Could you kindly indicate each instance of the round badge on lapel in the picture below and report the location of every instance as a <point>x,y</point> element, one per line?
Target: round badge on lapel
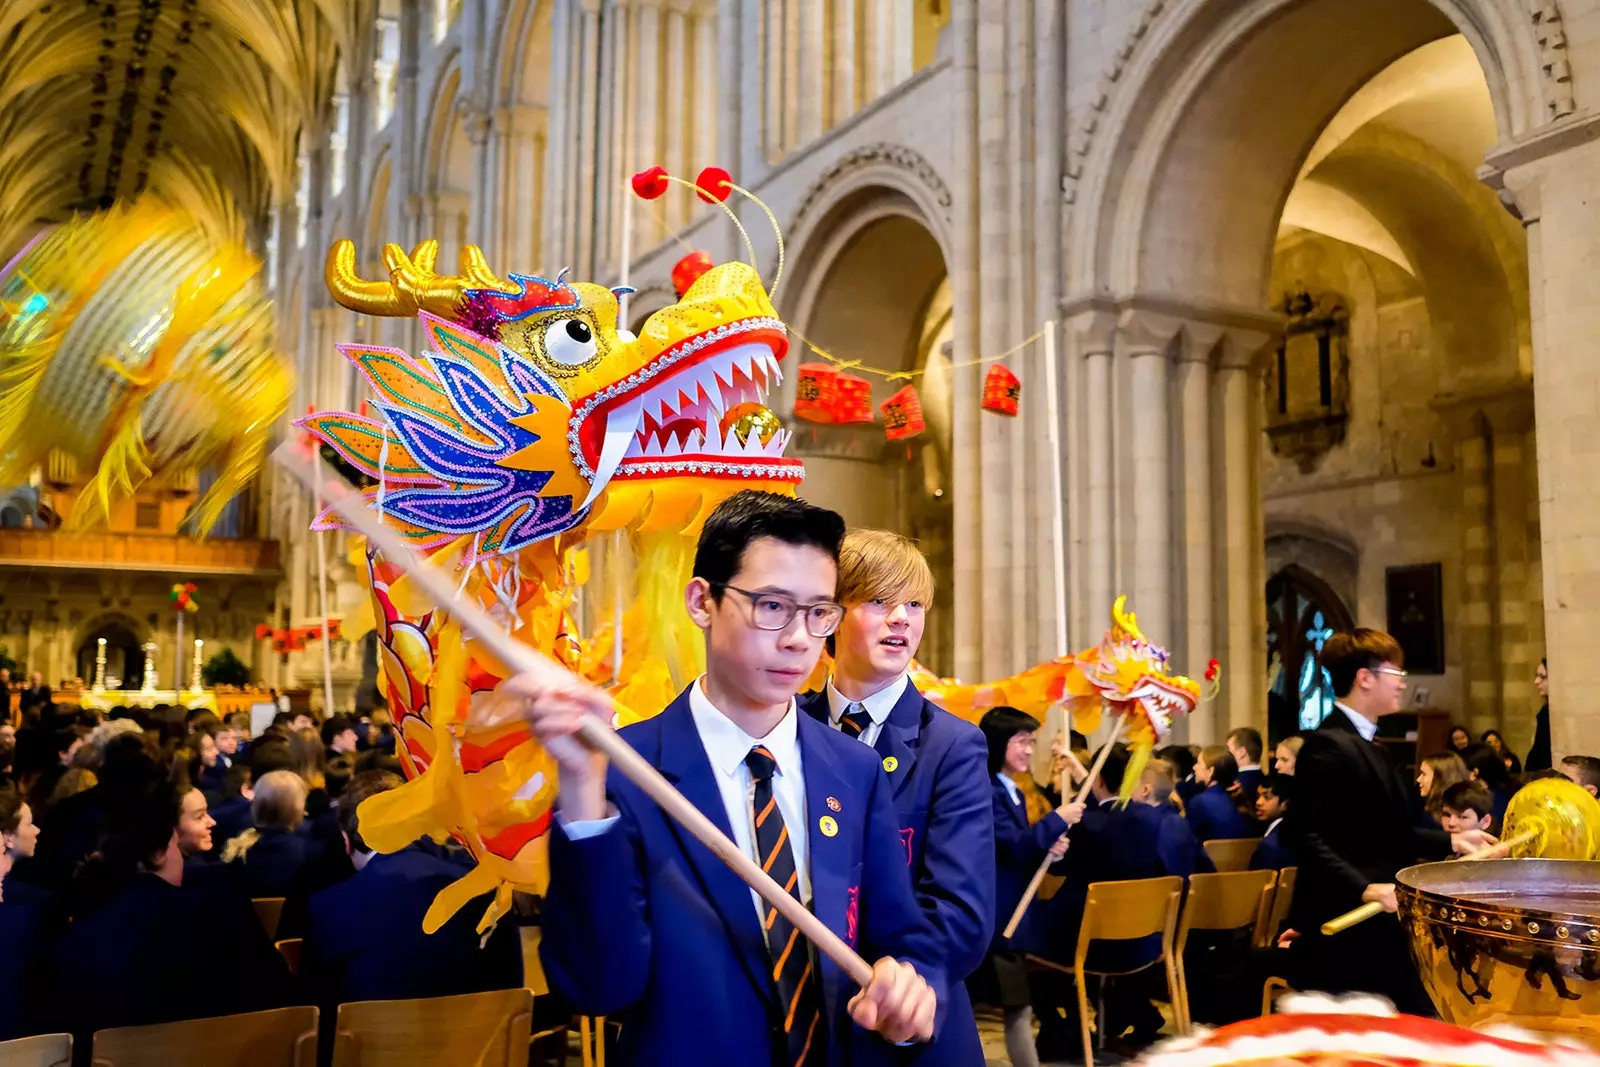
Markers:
<point>828,827</point>
<point>834,805</point>
<point>891,764</point>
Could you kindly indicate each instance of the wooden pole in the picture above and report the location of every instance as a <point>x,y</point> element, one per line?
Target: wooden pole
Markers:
<point>1373,909</point>
<point>1083,794</point>
<point>595,734</point>
<point>322,607</point>
<point>1058,525</point>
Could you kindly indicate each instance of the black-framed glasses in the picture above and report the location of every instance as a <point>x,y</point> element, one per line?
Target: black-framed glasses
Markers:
<point>774,611</point>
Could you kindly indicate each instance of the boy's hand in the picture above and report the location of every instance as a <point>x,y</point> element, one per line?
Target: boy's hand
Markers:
<point>555,702</point>
<point>897,1003</point>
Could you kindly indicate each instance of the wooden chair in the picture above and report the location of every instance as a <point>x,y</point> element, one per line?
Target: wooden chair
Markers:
<point>290,949</point>
<point>46,1050</point>
<point>1282,897</point>
<point>269,910</point>
<point>1232,853</point>
<point>1270,991</point>
<point>1230,900</point>
<point>475,1030</point>
<point>1118,911</point>
<point>284,1037</point>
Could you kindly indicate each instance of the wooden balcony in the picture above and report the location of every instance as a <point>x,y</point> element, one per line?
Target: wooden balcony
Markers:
<point>138,552</point>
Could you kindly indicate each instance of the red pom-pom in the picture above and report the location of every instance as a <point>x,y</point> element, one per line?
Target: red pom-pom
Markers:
<point>650,184</point>
<point>1213,668</point>
<point>714,185</point>
<point>687,271</point>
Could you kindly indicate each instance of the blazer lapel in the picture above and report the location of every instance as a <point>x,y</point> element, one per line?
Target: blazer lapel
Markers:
<point>900,736</point>
<point>830,857</point>
<point>684,763</point>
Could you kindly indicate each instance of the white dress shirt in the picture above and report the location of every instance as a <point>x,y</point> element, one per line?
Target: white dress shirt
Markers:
<point>1364,726</point>
<point>1012,789</point>
<point>726,747</point>
<point>1273,826</point>
<point>878,706</point>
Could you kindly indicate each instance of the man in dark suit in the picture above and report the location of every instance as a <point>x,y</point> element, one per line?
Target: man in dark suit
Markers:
<point>644,921</point>
<point>1244,745</point>
<point>934,760</point>
<point>1351,827</point>
<point>35,698</point>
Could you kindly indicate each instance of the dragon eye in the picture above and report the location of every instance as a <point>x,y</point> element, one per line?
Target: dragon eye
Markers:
<point>569,341</point>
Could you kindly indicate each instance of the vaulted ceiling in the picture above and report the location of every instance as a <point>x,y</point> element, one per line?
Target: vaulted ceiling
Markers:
<point>198,102</point>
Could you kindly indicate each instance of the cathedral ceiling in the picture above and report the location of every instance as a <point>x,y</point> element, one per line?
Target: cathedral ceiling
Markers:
<point>199,102</point>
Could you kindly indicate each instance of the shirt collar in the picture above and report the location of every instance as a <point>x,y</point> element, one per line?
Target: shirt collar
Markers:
<point>878,705</point>
<point>1013,790</point>
<point>727,745</point>
<point>1364,726</point>
<point>1274,825</point>
<point>1249,766</point>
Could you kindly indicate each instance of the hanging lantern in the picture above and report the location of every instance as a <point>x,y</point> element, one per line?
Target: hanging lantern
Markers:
<point>816,392</point>
<point>902,415</point>
<point>687,271</point>
<point>1001,390</point>
<point>852,400</point>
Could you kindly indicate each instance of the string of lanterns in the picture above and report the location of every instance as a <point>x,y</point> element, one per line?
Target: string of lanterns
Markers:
<point>295,638</point>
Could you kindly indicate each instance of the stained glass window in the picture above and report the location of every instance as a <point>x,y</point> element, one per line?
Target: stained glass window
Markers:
<point>1302,613</point>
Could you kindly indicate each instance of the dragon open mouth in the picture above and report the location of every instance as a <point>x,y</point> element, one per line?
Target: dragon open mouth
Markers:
<point>676,415</point>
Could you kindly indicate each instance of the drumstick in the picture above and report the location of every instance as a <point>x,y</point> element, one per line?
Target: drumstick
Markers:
<point>1367,911</point>
<point>1083,793</point>
<point>523,659</point>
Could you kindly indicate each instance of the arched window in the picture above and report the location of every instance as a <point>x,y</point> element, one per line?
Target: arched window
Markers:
<point>1302,613</point>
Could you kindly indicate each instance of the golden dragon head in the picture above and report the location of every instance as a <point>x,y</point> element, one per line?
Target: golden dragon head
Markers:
<point>530,415</point>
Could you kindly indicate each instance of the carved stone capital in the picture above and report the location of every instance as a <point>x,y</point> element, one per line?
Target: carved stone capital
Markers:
<point>1141,332</point>
<point>1093,330</point>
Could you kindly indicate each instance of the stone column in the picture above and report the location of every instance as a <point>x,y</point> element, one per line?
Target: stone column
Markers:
<point>483,207</point>
<point>967,503</point>
<point>877,75</point>
<point>564,34</point>
<point>646,111</point>
<point>674,99</point>
<point>1240,613</point>
<point>707,79</point>
<point>842,52</point>
<point>1555,196</point>
<point>1196,592</point>
<point>1141,428</point>
<point>609,114</point>
<point>1521,633</point>
<point>1096,542</point>
<point>811,86</point>
<point>773,143</point>
<point>1480,661</point>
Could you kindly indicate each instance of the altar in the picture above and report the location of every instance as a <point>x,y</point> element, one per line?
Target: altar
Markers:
<point>107,699</point>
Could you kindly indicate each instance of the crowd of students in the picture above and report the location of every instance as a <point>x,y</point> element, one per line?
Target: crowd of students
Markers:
<point>133,847</point>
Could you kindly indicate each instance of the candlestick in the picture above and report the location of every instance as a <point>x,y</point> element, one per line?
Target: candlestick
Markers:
<point>100,667</point>
<point>194,670</point>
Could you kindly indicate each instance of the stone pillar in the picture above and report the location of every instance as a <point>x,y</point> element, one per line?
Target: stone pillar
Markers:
<point>773,143</point>
<point>967,503</point>
<point>877,75</point>
<point>564,35</point>
<point>674,98</point>
<point>1554,194</point>
<point>812,90</point>
<point>608,112</point>
<point>1480,660</point>
<point>1141,428</point>
<point>1193,525</point>
<point>706,79</point>
<point>842,53</point>
<point>646,111</point>
<point>1096,546</point>
<point>1521,633</point>
<point>1240,614</point>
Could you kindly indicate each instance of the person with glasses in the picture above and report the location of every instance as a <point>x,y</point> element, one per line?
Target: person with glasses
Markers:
<point>643,921</point>
<point>1353,826</point>
<point>936,762</point>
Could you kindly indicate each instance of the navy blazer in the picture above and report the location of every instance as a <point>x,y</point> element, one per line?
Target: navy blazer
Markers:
<point>1018,851</point>
<point>644,922</point>
<point>1272,854</point>
<point>1249,785</point>
<point>273,863</point>
<point>1212,816</point>
<point>364,939</point>
<point>1179,851</point>
<point>26,923</point>
<point>942,800</point>
<point>1110,844</point>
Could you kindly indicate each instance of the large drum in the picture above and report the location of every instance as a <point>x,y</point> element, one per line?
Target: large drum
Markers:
<point>1508,941</point>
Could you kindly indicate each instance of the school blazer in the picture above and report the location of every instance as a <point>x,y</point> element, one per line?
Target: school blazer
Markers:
<point>938,767</point>
<point>644,923</point>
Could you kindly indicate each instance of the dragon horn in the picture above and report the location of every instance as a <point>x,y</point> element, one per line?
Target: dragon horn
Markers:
<point>475,269</point>
<point>357,294</point>
<point>414,277</point>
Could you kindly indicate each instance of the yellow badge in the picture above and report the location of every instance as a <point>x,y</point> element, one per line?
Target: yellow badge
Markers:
<point>828,826</point>
<point>833,804</point>
<point>891,764</point>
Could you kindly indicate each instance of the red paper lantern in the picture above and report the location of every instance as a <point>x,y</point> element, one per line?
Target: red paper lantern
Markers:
<point>263,631</point>
<point>816,392</point>
<point>687,271</point>
<point>852,400</point>
<point>902,415</point>
<point>1001,390</point>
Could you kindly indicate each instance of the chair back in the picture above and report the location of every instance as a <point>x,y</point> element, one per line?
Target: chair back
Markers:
<point>1228,900</point>
<point>46,1050</point>
<point>269,910</point>
<point>284,1037</point>
<point>1282,897</point>
<point>290,949</point>
<point>532,966</point>
<point>1119,911</point>
<point>475,1030</point>
<point>1232,853</point>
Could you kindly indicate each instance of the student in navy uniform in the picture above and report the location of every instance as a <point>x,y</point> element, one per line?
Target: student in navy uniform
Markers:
<point>25,921</point>
<point>1177,848</point>
<point>1244,745</point>
<point>934,760</point>
<point>1212,812</point>
<point>1009,737</point>
<point>1272,804</point>
<point>643,921</point>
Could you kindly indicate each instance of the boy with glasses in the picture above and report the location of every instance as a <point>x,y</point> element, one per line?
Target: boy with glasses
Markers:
<point>935,761</point>
<point>643,921</point>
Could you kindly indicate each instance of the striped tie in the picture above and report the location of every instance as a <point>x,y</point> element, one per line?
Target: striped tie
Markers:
<point>855,721</point>
<point>791,956</point>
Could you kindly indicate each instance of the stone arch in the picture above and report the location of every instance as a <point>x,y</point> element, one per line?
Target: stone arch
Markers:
<point>1196,80</point>
<point>126,661</point>
<point>522,53</point>
<point>375,224</point>
<point>1331,557</point>
<point>441,122</point>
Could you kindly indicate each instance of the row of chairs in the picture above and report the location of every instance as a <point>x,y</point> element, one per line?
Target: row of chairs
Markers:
<point>1117,911</point>
<point>480,1029</point>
